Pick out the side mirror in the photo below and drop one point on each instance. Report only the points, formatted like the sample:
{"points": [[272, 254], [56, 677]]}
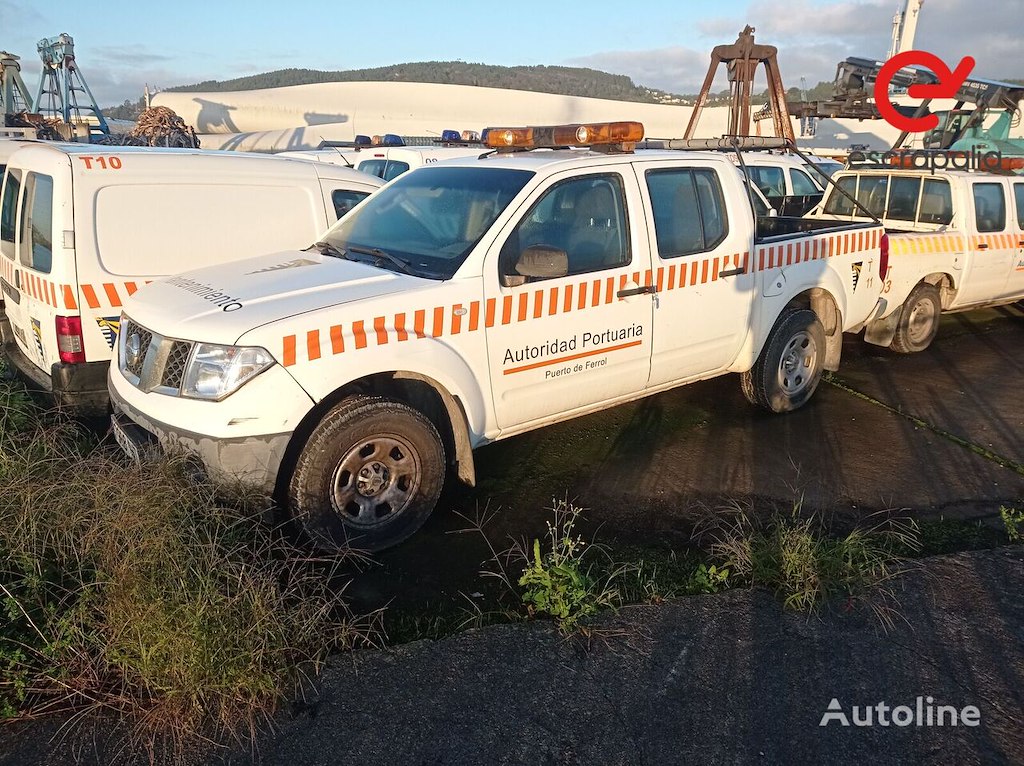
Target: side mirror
{"points": [[543, 261]]}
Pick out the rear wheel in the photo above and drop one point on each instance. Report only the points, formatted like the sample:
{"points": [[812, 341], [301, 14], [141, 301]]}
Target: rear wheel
{"points": [[369, 476], [919, 320], [789, 368]]}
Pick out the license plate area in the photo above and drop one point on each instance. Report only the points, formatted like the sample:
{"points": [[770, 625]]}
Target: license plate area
{"points": [[125, 442]]}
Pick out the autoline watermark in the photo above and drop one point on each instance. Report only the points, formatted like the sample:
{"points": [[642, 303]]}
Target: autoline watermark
{"points": [[930, 159], [924, 712]]}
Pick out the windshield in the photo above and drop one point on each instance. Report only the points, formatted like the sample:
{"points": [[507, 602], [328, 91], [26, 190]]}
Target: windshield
{"points": [[430, 218]]}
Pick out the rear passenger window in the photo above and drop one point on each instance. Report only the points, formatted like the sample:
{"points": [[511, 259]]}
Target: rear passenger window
{"points": [[344, 200], [689, 211], [373, 167], [903, 198], [770, 181], [1018, 195], [394, 169], [839, 203], [989, 207], [37, 247], [9, 211], [936, 202], [871, 193], [803, 186]]}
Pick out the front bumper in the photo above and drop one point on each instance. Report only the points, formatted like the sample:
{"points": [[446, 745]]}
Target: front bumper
{"points": [[79, 388], [253, 458]]}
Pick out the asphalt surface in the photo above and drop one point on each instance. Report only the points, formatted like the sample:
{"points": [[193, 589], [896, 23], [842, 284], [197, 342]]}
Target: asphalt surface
{"points": [[723, 679], [729, 678]]}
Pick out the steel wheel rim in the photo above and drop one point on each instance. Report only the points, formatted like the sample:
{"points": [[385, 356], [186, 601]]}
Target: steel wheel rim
{"points": [[919, 324], [376, 480], [798, 363]]}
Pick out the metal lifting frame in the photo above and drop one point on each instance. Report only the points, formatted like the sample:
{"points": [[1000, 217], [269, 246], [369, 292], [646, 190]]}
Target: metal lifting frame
{"points": [[14, 97], [61, 80], [742, 59]]}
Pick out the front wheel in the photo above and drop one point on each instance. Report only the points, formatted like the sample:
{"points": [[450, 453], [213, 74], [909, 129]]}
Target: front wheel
{"points": [[919, 320], [369, 476], [789, 368]]}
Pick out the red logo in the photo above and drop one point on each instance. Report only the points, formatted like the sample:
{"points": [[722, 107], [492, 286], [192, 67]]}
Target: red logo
{"points": [[946, 87]]}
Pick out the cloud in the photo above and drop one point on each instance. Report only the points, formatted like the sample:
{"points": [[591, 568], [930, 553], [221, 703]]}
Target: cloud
{"points": [[813, 37]]}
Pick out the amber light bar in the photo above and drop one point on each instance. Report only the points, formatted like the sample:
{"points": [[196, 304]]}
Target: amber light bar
{"points": [[549, 137]]}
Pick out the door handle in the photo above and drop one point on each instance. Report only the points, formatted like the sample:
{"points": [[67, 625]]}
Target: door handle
{"points": [[732, 272], [983, 246], [645, 290], [1021, 243]]}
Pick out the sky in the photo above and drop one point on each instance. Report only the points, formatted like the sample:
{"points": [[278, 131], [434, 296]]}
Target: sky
{"points": [[664, 44]]}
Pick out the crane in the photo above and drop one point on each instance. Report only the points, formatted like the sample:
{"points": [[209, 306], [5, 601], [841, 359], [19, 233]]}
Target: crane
{"points": [[904, 27], [60, 84]]}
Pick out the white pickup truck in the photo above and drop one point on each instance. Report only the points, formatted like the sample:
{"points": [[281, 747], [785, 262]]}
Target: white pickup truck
{"points": [[475, 299], [956, 241]]}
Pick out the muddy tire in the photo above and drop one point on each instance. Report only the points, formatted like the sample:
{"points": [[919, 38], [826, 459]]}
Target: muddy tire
{"points": [[919, 320], [789, 368], [369, 476]]}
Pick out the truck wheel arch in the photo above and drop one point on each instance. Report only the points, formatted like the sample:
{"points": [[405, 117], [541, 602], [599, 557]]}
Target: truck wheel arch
{"points": [[947, 287], [419, 391], [823, 303]]}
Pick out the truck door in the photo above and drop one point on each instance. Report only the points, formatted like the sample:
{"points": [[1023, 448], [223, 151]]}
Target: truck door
{"points": [[991, 245], [1015, 286], [702, 271], [559, 343], [27, 237]]}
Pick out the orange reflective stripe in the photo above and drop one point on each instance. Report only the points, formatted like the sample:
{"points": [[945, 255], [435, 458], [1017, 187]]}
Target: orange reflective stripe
{"points": [[313, 344], [538, 304], [288, 353], [130, 288], [438, 322], [400, 327], [337, 340], [381, 330], [474, 316], [489, 314], [672, 277], [359, 333], [419, 320], [90, 297], [112, 296], [457, 312], [69, 299]]}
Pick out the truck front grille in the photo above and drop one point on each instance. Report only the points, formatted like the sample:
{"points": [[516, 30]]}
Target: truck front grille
{"points": [[160, 362], [174, 368], [134, 366]]}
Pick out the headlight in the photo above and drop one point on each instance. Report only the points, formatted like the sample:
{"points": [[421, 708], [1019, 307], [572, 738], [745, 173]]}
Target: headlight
{"points": [[217, 371]]}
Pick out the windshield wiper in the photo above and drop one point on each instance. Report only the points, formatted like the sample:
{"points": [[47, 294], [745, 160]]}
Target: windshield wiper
{"points": [[383, 255], [326, 248]]}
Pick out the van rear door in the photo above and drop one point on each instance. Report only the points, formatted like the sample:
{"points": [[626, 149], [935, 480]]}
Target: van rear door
{"points": [[35, 262]]}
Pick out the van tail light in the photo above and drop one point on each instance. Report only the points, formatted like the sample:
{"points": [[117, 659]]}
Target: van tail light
{"points": [[70, 343], [883, 257]]}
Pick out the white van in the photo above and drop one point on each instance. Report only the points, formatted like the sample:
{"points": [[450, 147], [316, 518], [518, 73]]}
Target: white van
{"points": [[82, 227], [387, 162]]}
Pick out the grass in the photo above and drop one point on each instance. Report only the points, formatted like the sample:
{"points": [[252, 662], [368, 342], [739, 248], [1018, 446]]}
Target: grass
{"points": [[808, 566], [188, 616]]}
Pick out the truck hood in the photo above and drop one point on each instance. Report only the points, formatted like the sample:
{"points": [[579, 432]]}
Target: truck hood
{"points": [[221, 303]]}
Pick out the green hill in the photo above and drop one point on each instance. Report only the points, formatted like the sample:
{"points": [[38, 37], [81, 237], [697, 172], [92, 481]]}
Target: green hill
{"points": [[560, 80]]}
